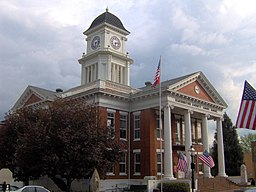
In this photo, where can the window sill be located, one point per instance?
(110, 174)
(122, 174)
(136, 174)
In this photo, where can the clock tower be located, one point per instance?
(106, 57)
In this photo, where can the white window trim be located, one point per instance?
(110, 173)
(126, 127)
(111, 110)
(123, 113)
(159, 151)
(122, 174)
(124, 163)
(136, 174)
(136, 113)
(136, 151)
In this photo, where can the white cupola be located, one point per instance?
(106, 57)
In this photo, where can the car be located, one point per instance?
(32, 188)
(12, 188)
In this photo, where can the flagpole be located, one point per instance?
(160, 122)
(157, 80)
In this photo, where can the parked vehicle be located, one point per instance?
(32, 188)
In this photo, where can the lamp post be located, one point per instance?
(193, 166)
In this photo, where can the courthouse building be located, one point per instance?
(132, 114)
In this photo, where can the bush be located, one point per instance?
(175, 187)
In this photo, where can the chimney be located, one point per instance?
(58, 90)
(148, 83)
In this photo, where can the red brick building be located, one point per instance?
(132, 114)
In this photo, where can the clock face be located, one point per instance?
(95, 42)
(115, 42)
(197, 89)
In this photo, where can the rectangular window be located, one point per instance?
(193, 130)
(158, 157)
(111, 124)
(199, 131)
(123, 126)
(111, 169)
(122, 164)
(111, 166)
(158, 131)
(183, 132)
(200, 167)
(136, 126)
(137, 163)
(178, 125)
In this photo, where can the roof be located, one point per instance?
(179, 82)
(108, 18)
(47, 94)
(170, 81)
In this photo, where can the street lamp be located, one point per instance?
(193, 166)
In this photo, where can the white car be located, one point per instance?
(32, 188)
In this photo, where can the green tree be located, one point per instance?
(232, 149)
(64, 139)
(246, 141)
(20, 147)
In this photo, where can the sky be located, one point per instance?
(41, 42)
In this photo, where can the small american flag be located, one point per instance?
(247, 112)
(157, 76)
(207, 159)
(182, 162)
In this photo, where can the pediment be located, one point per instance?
(195, 89)
(197, 86)
(33, 95)
(32, 99)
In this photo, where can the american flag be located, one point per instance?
(157, 76)
(182, 162)
(207, 159)
(247, 112)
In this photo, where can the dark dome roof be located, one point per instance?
(109, 18)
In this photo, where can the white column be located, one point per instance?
(207, 170)
(95, 72)
(121, 75)
(83, 74)
(87, 74)
(168, 164)
(221, 160)
(128, 74)
(188, 140)
(114, 72)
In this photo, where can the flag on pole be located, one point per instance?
(182, 163)
(207, 159)
(247, 112)
(157, 76)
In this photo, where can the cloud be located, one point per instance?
(41, 42)
(187, 49)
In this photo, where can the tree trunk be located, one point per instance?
(69, 181)
(26, 181)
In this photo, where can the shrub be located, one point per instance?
(175, 187)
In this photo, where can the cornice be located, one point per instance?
(105, 51)
(106, 25)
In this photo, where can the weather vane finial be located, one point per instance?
(107, 9)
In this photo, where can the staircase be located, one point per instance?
(216, 184)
